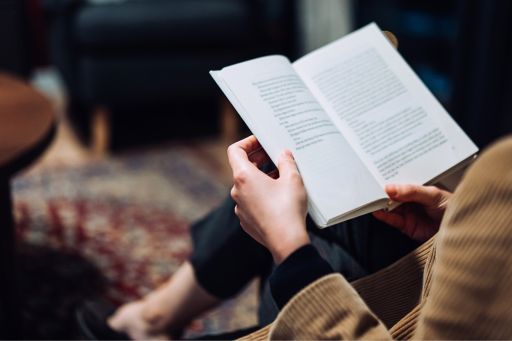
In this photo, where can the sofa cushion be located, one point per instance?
(148, 79)
(148, 23)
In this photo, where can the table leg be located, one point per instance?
(10, 322)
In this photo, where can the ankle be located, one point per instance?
(153, 315)
(160, 321)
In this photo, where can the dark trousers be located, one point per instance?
(225, 258)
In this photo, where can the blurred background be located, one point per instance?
(139, 151)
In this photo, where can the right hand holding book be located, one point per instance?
(421, 213)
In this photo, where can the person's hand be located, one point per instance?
(272, 211)
(420, 214)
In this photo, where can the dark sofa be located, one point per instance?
(143, 59)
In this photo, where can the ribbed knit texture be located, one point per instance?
(472, 277)
(307, 312)
(401, 282)
(464, 292)
(260, 334)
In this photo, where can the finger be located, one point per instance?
(249, 144)
(234, 194)
(238, 155)
(424, 195)
(392, 38)
(286, 165)
(243, 222)
(391, 218)
(259, 157)
(274, 174)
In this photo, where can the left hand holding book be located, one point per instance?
(272, 211)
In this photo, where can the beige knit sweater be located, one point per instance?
(455, 286)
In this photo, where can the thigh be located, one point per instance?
(369, 242)
(354, 248)
(224, 257)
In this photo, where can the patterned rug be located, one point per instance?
(129, 215)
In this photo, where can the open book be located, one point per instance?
(354, 115)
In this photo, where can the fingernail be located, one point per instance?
(288, 153)
(391, 190)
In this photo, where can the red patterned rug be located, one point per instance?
(130, 216)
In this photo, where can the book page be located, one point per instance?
(391, 119)
(282, 113)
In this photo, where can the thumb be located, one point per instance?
(286, 164)
(424, 195)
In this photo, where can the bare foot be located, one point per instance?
(130, 319)
(165, 310)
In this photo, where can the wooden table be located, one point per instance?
(27, 126)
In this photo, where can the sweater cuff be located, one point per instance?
(301, 268)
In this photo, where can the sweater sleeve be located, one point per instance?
(329, 308)
(405, 274)
(472, 275)
(469, 295)
(301, 268)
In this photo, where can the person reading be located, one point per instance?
(225, 259)
(464, 291)
(368, 245)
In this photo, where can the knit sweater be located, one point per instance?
(455, 286)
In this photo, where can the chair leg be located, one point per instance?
(100, 132)
(10, 319)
